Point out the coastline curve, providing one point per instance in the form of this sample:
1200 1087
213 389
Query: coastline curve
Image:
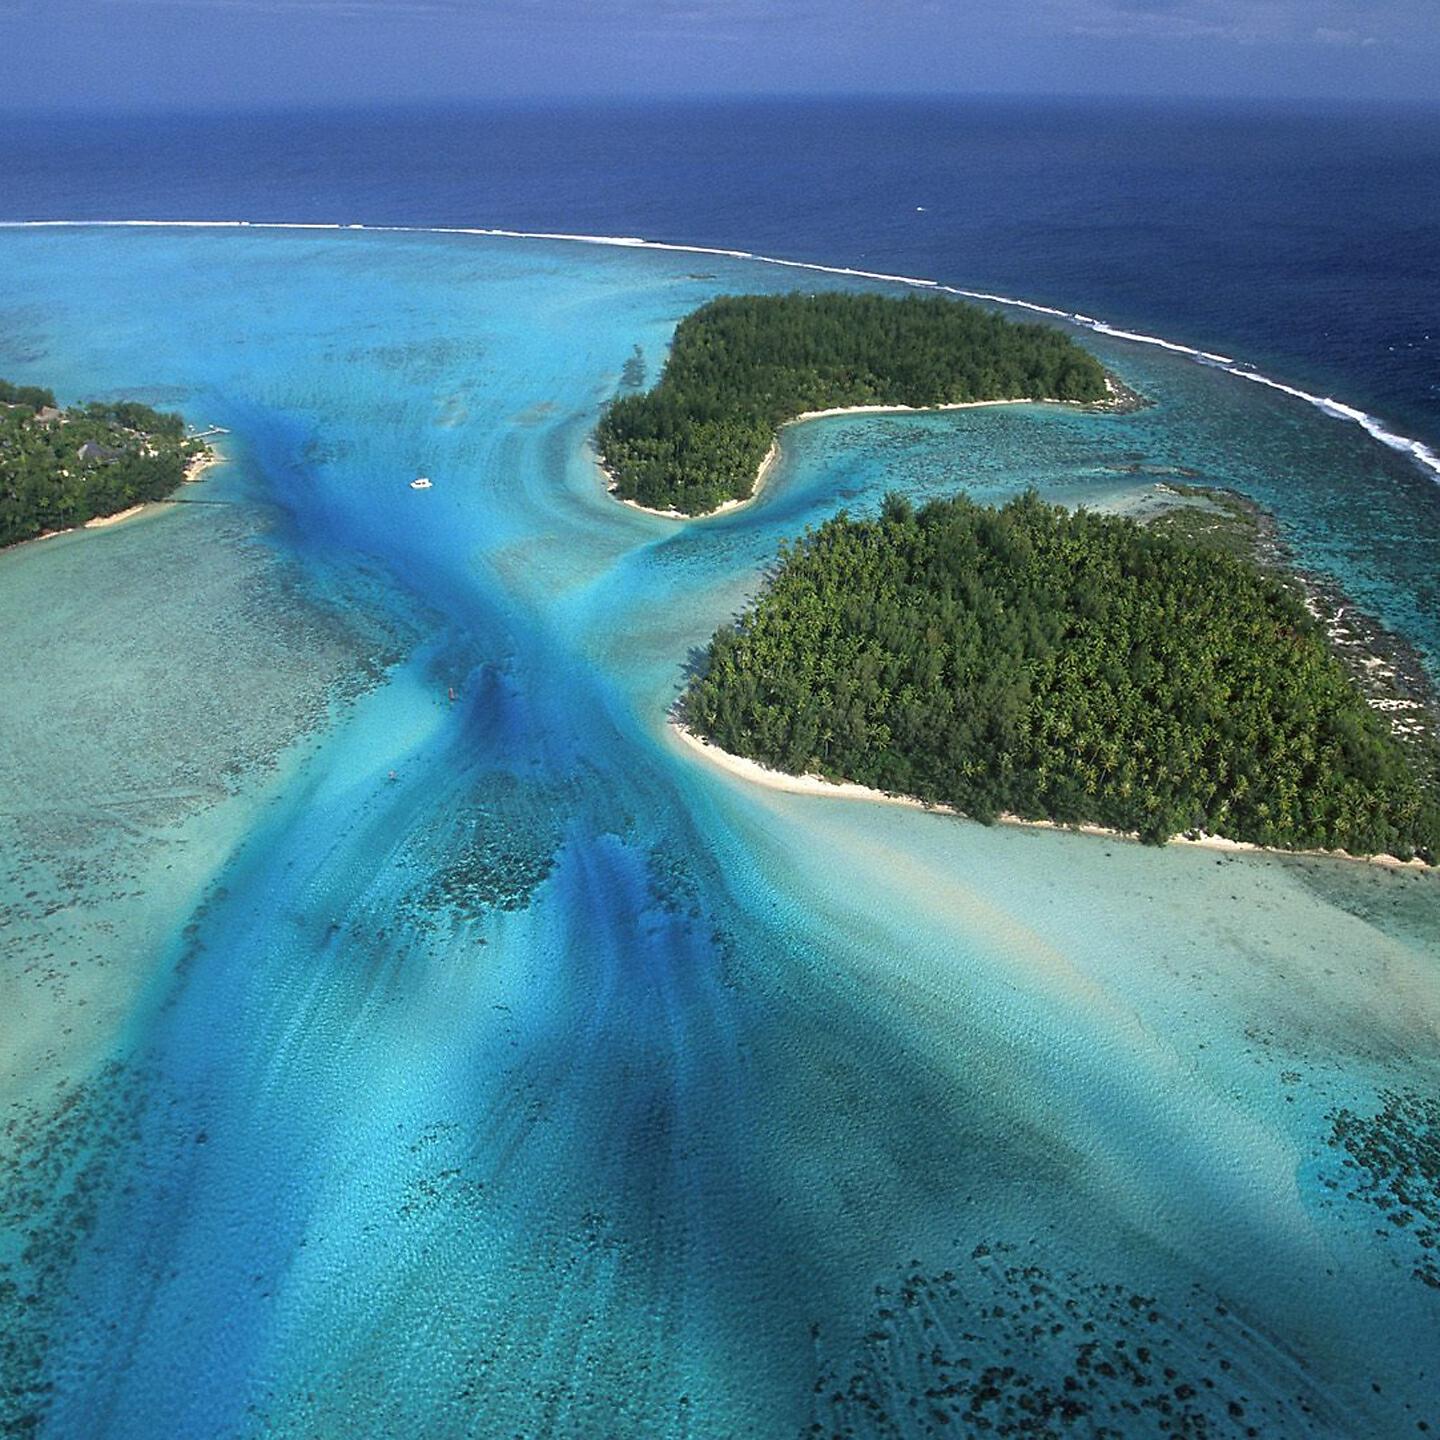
767 777
1417 450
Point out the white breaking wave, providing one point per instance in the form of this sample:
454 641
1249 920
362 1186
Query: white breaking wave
1417 450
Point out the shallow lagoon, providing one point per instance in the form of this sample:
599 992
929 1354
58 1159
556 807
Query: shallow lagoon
563 1085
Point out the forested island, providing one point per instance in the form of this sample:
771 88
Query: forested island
742 366
60 468
1068 667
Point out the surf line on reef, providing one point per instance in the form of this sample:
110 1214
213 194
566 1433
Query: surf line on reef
1417 450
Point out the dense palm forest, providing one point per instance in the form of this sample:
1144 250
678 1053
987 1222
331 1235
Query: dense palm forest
61 468
1060 666
741 366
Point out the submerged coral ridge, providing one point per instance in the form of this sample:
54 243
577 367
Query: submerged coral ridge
401 1036
1393 1164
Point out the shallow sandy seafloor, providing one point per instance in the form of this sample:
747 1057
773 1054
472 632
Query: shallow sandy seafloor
561 1084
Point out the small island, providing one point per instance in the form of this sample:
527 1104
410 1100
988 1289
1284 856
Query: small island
1071 668
742 366
62 468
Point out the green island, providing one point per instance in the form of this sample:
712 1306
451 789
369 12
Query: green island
1068 667
60 468
742 366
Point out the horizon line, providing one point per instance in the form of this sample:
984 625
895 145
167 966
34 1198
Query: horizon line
699 99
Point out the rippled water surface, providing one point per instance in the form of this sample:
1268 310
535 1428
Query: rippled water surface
402 1036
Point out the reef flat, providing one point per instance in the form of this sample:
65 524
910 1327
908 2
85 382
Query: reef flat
449 1054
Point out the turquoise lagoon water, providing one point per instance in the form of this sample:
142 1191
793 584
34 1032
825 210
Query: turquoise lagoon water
561 1084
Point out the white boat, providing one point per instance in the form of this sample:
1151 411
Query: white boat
420 482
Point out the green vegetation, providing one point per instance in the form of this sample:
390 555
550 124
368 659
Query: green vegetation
741 366
1069 667
62 468
1207 516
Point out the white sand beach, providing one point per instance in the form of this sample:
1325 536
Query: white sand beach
773 454
200 463
101 522
772 779
194 469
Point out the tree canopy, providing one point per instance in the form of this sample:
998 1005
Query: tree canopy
741 366
62 468
1059 666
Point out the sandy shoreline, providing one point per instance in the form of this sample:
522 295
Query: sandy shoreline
771 779
99 522
194 469
773 454
761 475
200 463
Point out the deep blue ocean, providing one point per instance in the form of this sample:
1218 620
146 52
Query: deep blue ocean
1304 240
405 1035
